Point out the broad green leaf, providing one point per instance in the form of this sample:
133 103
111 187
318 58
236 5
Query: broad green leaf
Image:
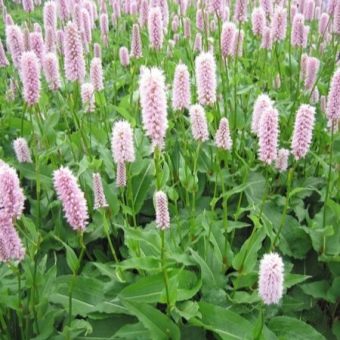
287 328
227 324
158 324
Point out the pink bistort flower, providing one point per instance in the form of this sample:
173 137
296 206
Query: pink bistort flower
227 38
281 162
11 195
122 142
333 101
271 278
181 95
30 77
162 211
258 19
222 138
72 198
155 28
205 68
74 58
22 150
99 195
199 124
96 74
262 103
303 131
51 71
15 43
268 135
154 104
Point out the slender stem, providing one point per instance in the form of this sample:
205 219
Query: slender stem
285 209
74 276
165 274
225 209
20 314
278 60
193 207
266 193
34 292
158 187
107 233
158 168
328 185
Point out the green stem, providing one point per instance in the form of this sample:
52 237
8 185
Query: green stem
165 274
107 233
157 154
74 276
193 207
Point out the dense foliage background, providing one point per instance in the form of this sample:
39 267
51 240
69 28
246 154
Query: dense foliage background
211 262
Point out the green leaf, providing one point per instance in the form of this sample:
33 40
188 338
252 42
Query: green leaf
227 324
146 289
134 331
87 294
141 185
158 324
71 257
246 259
287 328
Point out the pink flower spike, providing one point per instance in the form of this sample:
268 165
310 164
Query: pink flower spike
99 195
51 71
72 198
268 135
11 195
37 45
87 97
155 28
162 211
50 15
11 248
199 125
333 102
205 68
121 175
30 77
22 150
227 38
258 19
28 5
96 74
74 58
271 278
124 56
136 42
15 43
298 31
122 142
279 24
281 162
312 69
241 8
262 103
154 104
222 138
303 131
181 94
267 41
